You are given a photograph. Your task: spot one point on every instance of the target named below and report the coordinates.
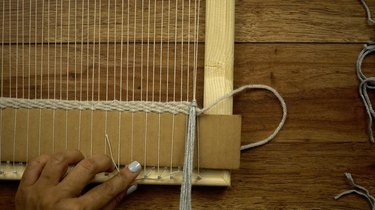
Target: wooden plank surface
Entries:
(318, 83)
(256, 21)
(325, 134)
(302, 21)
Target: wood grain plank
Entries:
(318, 82)
(302, 21)
(256, 21)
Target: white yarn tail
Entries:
(357, 189)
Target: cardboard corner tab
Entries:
(220, 141)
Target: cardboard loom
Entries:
(217, 147)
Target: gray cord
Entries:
(185, 195)
(258, 87)
(368, 13)
(365, 84)
(357, 189)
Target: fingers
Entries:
(33, 170)
(117, 200)
(57, 166)
(114, 202)
(104, 194)
(84, 172)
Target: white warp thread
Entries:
(108, 144)
(366, 83)
(357, 189)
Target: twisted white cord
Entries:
(172, 107)
(367, 83)
(357, 189)
(261, 87)
(368, 13)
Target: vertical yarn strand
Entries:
(186, 185)
(2, 78)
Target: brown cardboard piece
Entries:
(150, 138)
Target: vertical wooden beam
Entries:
(219, 53)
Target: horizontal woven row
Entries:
(172, 107)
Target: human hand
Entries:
(45, 184)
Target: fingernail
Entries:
(131, 189)
(134, 167)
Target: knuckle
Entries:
(38, 161)
(104, 158)
(58, 158)
(76, 151)
(46, 177)
(125, 176)
(33, 163)
(89, 165)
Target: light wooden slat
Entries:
(205, 177)
(219, 49)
